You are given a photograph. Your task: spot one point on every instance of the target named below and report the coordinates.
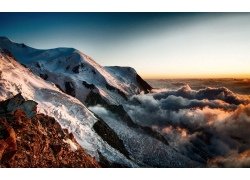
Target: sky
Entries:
(156, 45)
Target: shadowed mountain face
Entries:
(145, 86)
(28, 139)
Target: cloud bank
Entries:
(210, 124)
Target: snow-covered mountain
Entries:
(77, 74)
(68, 111)
(67, 83)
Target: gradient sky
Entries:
(157, 45)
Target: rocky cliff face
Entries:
(28, 139)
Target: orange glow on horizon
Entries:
(195, 76)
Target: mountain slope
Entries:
(28, 139)
(75, 72)
(114, 138)
(68, 111)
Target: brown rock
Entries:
(71, 136)
(40, 140)
(57, 149)
(3, 146)
(9, 146)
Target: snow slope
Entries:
(77, 74)
(74, 72)
(68, 111)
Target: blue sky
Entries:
(157, 45)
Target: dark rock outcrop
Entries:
(59, 87)
(36, 141)
(23, 45)
(108, 135)
(106, 164)
(109, 87)
(118, 110)
(154, 134)
(101, 128)
(144, 85)
(8, 53)
(24, 65)
(8, 146)
(89, 86)
(93, 71)
(37, 65)
(122, 94)
(44, 76)
(70, 90)
(95, 99)
(67, 68)
(76, 69)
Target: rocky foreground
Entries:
(28, 139)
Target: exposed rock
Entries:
(118, 109)
(13, 103)
(122, 94)
(59, 87)
(24, 65)
(8, 146)
(67, 68)
(106, 164)
(154, 134)
(109, 87)
(57, 149)
(18, 102)
(93, 71)
(38, 141)
(23, 45)
(95, 99)
(8, 53)
(37, 65)
(3, 146)
(89, 86)
(144, 85)
(44, 76)
(76, 69)
(71, 136)
(70, 89)
(108, 135)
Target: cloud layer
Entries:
(240, 86)
(209, 124)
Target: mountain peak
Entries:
(3, 38)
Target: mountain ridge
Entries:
(68, 111)
(79, 67)
(29, 139)
(69, 86)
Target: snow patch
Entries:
(72, 144)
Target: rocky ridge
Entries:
(28, 139)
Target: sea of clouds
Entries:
(209, 124)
